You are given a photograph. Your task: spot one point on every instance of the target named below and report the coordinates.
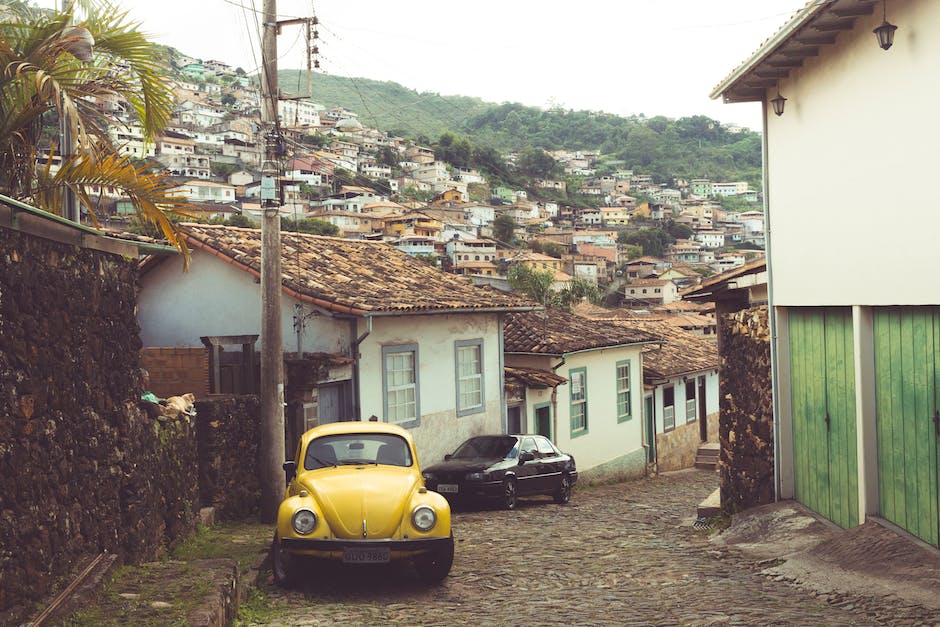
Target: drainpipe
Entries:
(354, 326)
(555, 368)
(771, 313)
(504, 411)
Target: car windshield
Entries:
(357, 448)
(488, 446)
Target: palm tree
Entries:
(43, 79)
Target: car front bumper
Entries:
(339, 544)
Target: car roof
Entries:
(355, 426)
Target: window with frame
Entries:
(623, 391)
(690, 402)
(469, 364)
(400, 380)
(669, 409)
(578, 391)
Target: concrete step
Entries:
(707, 456)
(711, 506)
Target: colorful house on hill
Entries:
(856, 358)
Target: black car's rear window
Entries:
(486, 446)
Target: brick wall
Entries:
(176, 371)
(82, 469)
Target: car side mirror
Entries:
(447, 457)
(526, 456)
(290, 469)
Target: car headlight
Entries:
(427, 476)
(476, 476)
(424, 518)
(304, 521)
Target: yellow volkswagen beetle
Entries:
(355, 494)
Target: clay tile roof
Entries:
(681, 352)
(556, 332)
(353, 276)
(533, 377)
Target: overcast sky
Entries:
(655, 57)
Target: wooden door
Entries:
(649, 411)
(822, 387)
(907, 360)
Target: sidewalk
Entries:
(874, 560)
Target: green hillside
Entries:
(385, 105)
(687, 148)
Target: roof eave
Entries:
(798, 21)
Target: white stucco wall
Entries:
(440, 430)
(858, 121)
(176, 308)
(711, 398)
(605, 439)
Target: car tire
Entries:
(283, 564)
(563, 493)
(510, 493)
(434, 566)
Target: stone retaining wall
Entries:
(677, 449)
(746, 428)
(229, 435)
(84, 471)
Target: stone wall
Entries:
(677, 449)
(746, 406)
(229, 436)
(84, 471)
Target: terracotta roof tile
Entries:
(534, 377)
(556, 332)
(681, 352)
(357, 276)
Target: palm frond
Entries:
(151, 194)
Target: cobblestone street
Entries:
(622, 554)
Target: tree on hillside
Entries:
(51, 72)
(536, 284)
(536, 163)
(457, 152)
(678, 231)
(504, 228)
(652, 241)
(309, 225)
(579, 289)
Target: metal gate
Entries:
(907, 360)
(822, 387)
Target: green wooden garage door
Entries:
(822, 385)
(907, 360)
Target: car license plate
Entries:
(449, 488)
(366, 555)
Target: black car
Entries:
(503, 468)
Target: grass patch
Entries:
(255, 609)
(243, 542)
(157, 593)
(168, 591)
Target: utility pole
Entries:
(272, 360)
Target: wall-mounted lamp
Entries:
(778, 103)
(885, 32)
